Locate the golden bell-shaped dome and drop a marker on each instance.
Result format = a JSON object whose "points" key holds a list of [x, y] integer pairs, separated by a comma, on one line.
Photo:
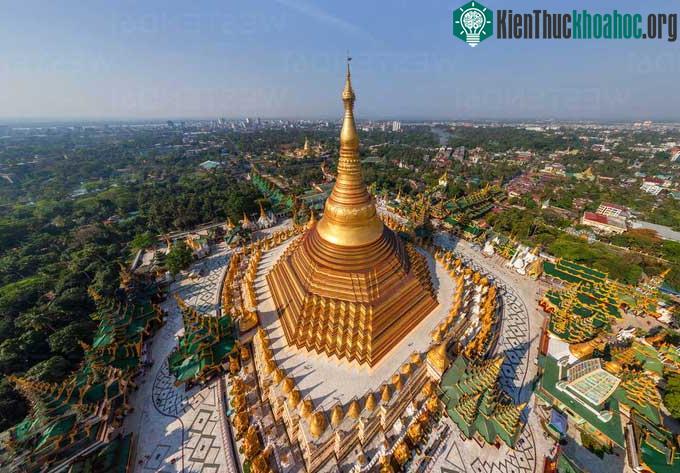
{"points": [[390, 289], [350, 217], [395, 378], [437, 335], [278, 375], [241, 421], [288, 385], [354, 410], [438, 358], [432, 403], [294, 398], [401, 453], [428, 389], [415, 432], [244, 353], [415, 358], [370, 402], [239, 402], [385, 394], [385, 466], [406, 369], [337, 415], [307, 408], [312, 219], [237, 386], [317, 426]]}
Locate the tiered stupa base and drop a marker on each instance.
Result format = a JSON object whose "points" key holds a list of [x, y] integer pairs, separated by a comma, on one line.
{"points": [[354, 303]]}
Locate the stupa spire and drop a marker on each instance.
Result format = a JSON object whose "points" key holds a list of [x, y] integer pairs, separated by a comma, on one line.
{"points": [[350, 218]]}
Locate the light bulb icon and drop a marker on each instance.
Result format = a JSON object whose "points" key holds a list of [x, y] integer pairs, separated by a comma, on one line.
{"points": [[472, 21]]}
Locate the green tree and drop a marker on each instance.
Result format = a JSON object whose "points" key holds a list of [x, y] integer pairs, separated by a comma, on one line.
{"points": [[179, 257], [12, 406], [66, 341], [143, 240], [52, 370], [671, 397]]}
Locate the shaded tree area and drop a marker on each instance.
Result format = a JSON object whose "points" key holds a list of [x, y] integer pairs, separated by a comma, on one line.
{"points": [[53, 251], [671, 398], [193, 199], [501, 139]]}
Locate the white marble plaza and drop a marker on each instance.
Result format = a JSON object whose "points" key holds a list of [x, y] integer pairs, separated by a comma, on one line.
{"points": [[179, 431]]}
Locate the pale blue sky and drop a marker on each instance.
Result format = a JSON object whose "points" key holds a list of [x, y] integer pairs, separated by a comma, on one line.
{"points": [[284, 58]]}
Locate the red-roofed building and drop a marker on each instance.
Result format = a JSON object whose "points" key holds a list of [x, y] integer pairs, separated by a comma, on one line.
{"points": [[604, 224]]}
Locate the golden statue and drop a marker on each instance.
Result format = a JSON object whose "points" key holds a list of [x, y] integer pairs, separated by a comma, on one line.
{"points": [[415, 432], [401, 453], [251, 443], [349, 286]]}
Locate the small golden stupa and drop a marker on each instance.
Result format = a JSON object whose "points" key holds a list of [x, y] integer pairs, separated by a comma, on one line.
{"points": [[349, 286]]}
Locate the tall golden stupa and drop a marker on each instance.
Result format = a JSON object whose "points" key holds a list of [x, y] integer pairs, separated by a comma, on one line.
{"points": [[349, 286]]}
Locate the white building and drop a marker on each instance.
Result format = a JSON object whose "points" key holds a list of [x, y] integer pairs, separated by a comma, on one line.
{"points": [[612, 210]]}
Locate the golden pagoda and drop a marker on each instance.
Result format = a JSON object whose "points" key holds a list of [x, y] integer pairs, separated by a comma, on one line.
{"points": [[349, 286]]}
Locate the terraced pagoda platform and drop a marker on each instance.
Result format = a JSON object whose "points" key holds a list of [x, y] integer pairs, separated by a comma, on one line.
{"points": [[324, 378], [331, 404]]}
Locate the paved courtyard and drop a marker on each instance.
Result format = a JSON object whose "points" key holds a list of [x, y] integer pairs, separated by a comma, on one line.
{"points": [[178, 430], [521, 324]]}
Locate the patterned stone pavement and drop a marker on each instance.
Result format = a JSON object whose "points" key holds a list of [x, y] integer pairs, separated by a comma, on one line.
{"points": [[178, 430], [201, 293], [517, 345], [514, 343]]}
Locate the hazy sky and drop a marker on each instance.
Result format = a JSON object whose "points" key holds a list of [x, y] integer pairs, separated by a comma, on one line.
{"points": [[284, 58]]}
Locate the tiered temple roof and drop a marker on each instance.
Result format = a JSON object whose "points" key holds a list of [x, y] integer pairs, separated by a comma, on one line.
{"points": [[476, 204], [578, 313], [206, 342], [280, 201], [476, 403], [659, 450], [88, 406], [590, 300]]}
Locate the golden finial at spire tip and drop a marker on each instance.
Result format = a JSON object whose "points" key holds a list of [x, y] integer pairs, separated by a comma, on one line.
{"points": [[348, 93]]}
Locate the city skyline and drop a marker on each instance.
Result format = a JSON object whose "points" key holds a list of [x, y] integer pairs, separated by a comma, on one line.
{"points": [[274, 59]]}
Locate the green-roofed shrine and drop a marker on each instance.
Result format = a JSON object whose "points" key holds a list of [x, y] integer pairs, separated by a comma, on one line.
{"points": [[83, 413], [477, 405], [204, 347]]}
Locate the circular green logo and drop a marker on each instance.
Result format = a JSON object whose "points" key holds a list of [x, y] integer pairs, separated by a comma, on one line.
{"points": [[473, 23]]}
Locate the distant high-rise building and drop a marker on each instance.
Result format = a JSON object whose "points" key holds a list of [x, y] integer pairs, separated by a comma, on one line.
{"points": [[396, 126]]}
